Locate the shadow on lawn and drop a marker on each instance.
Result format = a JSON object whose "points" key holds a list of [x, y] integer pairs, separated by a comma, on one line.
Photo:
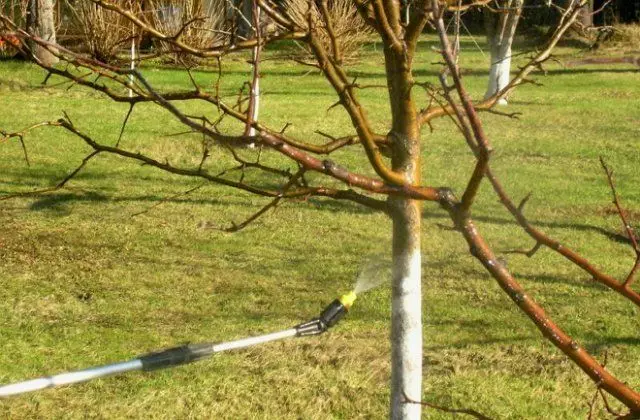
{"points": [[574, 281], [600, 344], [613, 236], [463, 344], [434, 71], [56, 202]]}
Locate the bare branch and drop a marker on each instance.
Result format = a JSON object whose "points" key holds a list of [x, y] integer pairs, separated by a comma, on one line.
{"points": [[631, 234], [482, 146], [481, 250], [568, 19]]}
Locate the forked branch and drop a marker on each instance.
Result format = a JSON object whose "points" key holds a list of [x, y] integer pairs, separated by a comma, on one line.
{"points": [[631, 234]]}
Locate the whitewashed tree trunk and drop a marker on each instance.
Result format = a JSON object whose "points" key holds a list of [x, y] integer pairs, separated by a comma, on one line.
{"points": [[254, 102], [255, 82], [41, 22], [501, 30], [406, 315], [133, 60], [406, 298]]}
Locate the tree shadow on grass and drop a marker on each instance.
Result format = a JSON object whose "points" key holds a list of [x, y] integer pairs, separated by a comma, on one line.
{"points": [[577, 281], [57, 203], [613, 236], [462, 344], [605, 69], [336, 206], [434, 72], [600, 344]]}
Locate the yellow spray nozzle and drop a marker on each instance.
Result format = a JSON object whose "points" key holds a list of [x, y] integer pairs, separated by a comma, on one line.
{"points": [[348, 299]]}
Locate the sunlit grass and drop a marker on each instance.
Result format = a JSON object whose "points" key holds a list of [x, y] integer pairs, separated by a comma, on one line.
{"points": [[86, 281]]}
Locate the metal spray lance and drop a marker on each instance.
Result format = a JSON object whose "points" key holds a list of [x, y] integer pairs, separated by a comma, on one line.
{"points": [[181, 355]]}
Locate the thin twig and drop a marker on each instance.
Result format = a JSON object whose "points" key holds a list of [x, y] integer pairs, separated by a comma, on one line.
{"points": [[631, 234]]}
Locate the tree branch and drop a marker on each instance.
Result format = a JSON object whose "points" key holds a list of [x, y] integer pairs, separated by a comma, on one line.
{"points": [[627, 225], [481, 251]]}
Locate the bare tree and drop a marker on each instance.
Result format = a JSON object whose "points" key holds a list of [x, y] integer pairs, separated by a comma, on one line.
{"points": [[394, 156]]}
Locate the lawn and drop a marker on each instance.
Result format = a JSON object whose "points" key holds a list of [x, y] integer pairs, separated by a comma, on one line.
{"points": [[118, 263]]}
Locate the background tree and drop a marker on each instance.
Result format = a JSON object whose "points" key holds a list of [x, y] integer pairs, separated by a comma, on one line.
{"points": [[41, 22], [500, 26], [394, 183]]}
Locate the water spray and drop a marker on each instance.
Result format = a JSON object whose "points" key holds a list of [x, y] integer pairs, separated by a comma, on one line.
{"points": [[189, 353]]}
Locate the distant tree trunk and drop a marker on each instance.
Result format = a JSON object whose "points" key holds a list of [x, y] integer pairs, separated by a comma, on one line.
{"points": [[41, 22], [501, 29], [254, 99], [586, 15]]}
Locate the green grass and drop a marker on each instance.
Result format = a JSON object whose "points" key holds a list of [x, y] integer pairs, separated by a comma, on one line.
{"points": [[86, 282]]}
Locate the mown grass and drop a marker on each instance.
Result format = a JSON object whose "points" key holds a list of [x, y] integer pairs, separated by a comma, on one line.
{"points": [[85, 281]]}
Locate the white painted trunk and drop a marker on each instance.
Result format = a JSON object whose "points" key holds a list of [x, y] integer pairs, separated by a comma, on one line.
{"points": [[406, 315], [133, 62], [255, 92], [255, 81], [499, 73], [501, 31]]}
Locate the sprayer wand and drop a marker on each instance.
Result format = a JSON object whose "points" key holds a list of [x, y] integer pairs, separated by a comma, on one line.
{"points": [[188, 353]]}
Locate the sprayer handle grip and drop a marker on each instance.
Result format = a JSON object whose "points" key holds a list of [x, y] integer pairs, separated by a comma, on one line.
{"points": [[175, 356]]}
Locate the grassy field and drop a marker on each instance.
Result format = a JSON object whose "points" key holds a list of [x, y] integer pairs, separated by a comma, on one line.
{"points": [[86, 280]]}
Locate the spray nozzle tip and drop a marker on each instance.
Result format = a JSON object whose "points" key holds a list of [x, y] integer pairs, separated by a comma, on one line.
{"points": [[348, 299]]}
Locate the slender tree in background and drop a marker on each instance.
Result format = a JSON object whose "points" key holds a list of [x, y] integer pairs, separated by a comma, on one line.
{"points": [[500, 30], [41, 23], [394, 156]]}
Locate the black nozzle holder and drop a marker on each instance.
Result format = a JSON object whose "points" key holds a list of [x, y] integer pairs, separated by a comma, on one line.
{"points": [[176, 356], [328, 318]]}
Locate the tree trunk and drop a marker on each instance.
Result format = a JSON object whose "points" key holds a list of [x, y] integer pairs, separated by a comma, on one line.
{"points": [[586, 15], [254, 94], [406, 304], [41, 22], [406, 315], [500, 33]]}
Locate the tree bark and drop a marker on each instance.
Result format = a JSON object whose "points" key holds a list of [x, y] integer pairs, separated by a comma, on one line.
{"points": [[501, 30], [406, 315], [586, 14], [254, 94], [41, 23], [406, 305]]}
